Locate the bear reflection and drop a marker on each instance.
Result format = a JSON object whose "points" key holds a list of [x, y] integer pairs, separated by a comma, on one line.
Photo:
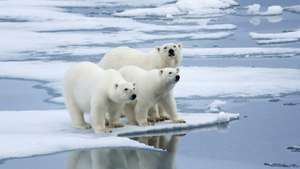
{"points": [[113, 158]]}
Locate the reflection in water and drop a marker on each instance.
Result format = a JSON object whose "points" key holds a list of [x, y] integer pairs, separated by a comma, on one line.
{"points": [[272, 19], [112, 158]]}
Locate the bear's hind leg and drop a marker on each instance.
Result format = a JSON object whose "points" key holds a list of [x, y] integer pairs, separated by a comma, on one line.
{"points": [[77, 117]]}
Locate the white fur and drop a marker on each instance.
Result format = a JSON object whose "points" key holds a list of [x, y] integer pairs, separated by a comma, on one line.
{"points": [[159, 58], [152, 87], [88, 88]]}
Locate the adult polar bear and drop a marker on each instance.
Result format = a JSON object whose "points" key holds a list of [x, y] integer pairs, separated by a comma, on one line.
{"points": [[168, 55], [88, 88], [153, 87]]}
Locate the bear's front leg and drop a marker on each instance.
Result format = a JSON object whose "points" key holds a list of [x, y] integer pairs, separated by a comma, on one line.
{"points": [[98, 111], [141, 114], [129, 113], [162, 114], [169, 104], [114, 120], [153, 114]]}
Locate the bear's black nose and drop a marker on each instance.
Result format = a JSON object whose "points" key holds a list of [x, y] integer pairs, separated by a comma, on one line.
{"points": [[133, 97], [177, 77], [171, 52]]}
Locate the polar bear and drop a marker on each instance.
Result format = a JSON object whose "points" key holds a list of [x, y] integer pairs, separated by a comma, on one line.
{"points": [[152, 87], [168, 55], [88, 88]]}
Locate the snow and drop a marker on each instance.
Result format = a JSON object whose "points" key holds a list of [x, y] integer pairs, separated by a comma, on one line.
{"points": [[195, 81], [182, 7], [254, 9], [49, 29], [294, 8], [282, 37], [28, 133]]}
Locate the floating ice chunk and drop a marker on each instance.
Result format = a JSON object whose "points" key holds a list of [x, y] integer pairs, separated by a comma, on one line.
{"points": [[50, 131], [282, 165], [253, 9], [295, 148], [216, 106], [282, 37], [294, 8], [223, 117], [272, 10]]}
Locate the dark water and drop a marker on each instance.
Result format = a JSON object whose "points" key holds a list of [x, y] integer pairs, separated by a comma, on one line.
{"points": [[20, 94]]}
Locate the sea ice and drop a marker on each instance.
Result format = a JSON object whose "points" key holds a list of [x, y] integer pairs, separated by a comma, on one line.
{"points": [[28, 133], [196, 81], [294, 8], [282, 37], [216, 106]]}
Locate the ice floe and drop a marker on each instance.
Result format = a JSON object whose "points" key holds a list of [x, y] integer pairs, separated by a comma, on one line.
{"points": [[27, 133], [196, 81], [282, 37], [45, 27], [182, 7], [254, 9], [294, 8]]}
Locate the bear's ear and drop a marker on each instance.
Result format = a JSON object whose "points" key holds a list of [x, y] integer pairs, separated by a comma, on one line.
{"points": [[161, 72], [116, 85], [157, 49], [179, 45], [177, 70]]}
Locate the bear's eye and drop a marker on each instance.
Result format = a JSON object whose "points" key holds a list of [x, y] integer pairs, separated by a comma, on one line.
{"points": [[165, 47], [170, 73], [126, 89], [174, 46]]}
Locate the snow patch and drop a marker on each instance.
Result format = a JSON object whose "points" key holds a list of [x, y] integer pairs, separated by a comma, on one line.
{"points": [[50, 131], [254, 9]]}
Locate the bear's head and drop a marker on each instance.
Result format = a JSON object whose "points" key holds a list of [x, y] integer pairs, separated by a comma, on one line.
{"points": [[169, 76], [124, 92], [170, 54]]}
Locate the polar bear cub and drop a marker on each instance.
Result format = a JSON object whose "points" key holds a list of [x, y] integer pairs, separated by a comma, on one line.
{"points": [[168, 55], [152, 87], [88, 88]]}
